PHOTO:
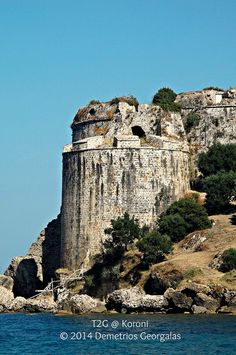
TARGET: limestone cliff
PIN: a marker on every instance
(35, 270)
(217, 113)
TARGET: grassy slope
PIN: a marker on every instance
(220, 237)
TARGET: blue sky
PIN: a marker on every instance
(56, 56)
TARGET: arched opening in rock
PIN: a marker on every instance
(92, 112)
(138, 131)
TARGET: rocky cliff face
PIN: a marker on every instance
(217, 120)
(35, 270)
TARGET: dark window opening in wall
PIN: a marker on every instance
(138, 131)
(92, 112)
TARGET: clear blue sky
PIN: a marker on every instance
(57, 55)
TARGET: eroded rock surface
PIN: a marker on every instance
(35, 270)
(6, 281)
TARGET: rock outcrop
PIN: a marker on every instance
(6, 298)
(217, 120)
(131, 296)
(161, 279)
(35, 270)
(70, 302)
(178, 301)
(82, 304)
(192, 298)
(6, 281)
(135, 300)
(27, 275)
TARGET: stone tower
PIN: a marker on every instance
(122, 158)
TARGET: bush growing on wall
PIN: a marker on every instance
(192, 120)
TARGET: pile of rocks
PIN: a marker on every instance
(66, 301)
(192, 298)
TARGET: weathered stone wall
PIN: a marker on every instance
(90, 129)
(101, 184)
(217, 125)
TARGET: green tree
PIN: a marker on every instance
(229, 260)
(154, 246)
(219, 157)
(165, 98)
(122, 233)
(183, 217)
(173, 225)
(220, 189)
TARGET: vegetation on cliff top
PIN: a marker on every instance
(165, 98)
(216, 88)
(130, 100)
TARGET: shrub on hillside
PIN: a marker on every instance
(192, 272)
(173, 225)
(183, 217)
(154, 246)
(165, 98)
(220, 189)
(219, 157)
(229, 260)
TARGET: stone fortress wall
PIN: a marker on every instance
(217, 124)
(134, 161)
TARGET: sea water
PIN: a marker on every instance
(117, 334)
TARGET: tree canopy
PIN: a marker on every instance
(220, 189)
(218, 158)
(123, 231)
(183, 217)
(165, 98)
(154, 246)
